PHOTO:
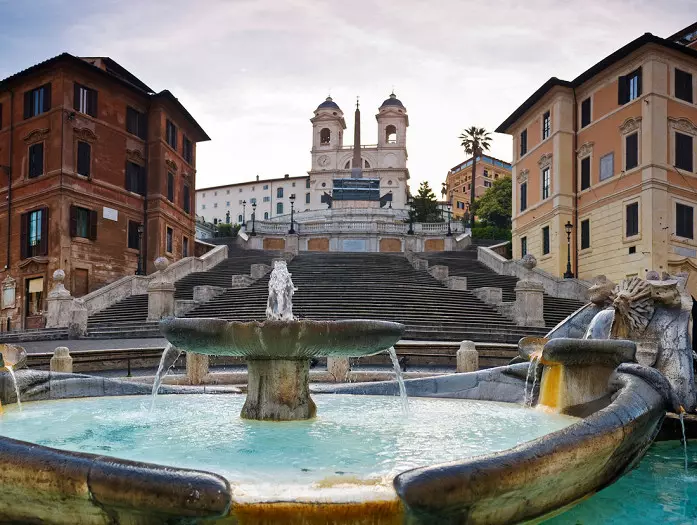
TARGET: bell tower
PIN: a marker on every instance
(328, 127)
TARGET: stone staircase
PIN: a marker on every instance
(465, 263)
(374, 286)
(128, 318)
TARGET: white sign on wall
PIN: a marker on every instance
(111, 214)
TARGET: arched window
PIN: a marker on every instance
(266, 215)
(347, 165)
(366, 164)
(239, 219)
(325, 136)
(391, 134)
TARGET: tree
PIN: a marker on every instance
(426, 205)
(475, 141)
(494, 207)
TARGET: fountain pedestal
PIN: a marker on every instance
(278, 390)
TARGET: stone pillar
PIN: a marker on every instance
(60, 303)
(196, 367)
(489, 294)
(241, 281)
(78, 319)
(160, 293)
(467, 357)
(206, 292)
(456, 282)
(439, 272)
(338, 368)
(529, 301)
(292, 244)
(61, 360)
(257, 271)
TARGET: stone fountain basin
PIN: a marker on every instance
(526, 482)
(290, 340)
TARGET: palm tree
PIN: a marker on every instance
(475, 141)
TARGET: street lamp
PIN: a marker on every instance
(410, 203)
(254, 216)
(292, 210)
(139, 270)
(568, 227)
(244, 214)
(450, 232)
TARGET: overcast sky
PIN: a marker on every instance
(252, 71)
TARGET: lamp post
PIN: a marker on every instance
(244, 214)
(568, 227)
(139, 270)
(450, 232)
(254, 216)
(292, 211)
(410, 202)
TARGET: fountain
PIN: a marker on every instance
(598, 387)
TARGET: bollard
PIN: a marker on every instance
(467, 357)
(61, 360)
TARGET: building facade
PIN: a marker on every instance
(458, 181)
(612, 153)
(384, 163)
(95, 169)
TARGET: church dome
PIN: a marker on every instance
(392, 101)
(329, 104)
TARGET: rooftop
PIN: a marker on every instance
(259, 181)
(487, 159)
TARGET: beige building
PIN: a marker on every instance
(611, 152)
(458, 182)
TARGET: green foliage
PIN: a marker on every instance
(227, 230)
(426, 205)
(475, 140)
(487, 231)
(494, 207)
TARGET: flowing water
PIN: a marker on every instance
(352, 437)
(534, 363)
(14, 382)
(279, 306)
(400, 381)
(529, 398)
(169, 357)
(684, 437)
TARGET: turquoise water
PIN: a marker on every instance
(353, 437)
(657, 491)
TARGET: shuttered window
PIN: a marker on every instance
(629, 87)
(585, 173)
(133, 237)
(37, 101)
(585, 112)
(632, 226)
(170, 186)
(171, 133)
(545, 240)
(136, 123)
(34, 233)
(523, 246)
(135, 178)
(83, 223)
(524, 142)
(186, 204)
(170, 234)
(545, 183)
(585, 234)
(84, 100)
(631, 151)
(683, 85)
(683, 152)
(188, 150)
(279, 208)
(185, 247)
(523, 196)
(546, 125)
(684, 226)
(84, 156)
(36, 159)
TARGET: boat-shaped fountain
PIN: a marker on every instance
(503, 445)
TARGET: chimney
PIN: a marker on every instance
(257, 178)
(286, 176)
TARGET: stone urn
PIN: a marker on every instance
(528, 261)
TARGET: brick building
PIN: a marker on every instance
(458, 181)
(93, 155)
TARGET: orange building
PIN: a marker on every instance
(458, 182)
(611, 152)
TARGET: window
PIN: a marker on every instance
(307, 198)
(325, 136)
(279, 193)
(523, 196)
(524, 142)
(585, 234)
(227, 192)
(135, 178)
(632, 226)
(36, 159)
(586, 112)
(85, 100)
(631, 151)
(83, 223)
(267, 199)
(186, 199)
(487, 184)
(188, 150)
(203, 206)
(307, 183)
(266, 215)
(523, 246)
(683, 221)
(279, 208)
(545, 240)
(35, 294)
(37, 101)
(253, 200)
(227, 204)
(215, 194)
(34, 233)
(293, 184)
(629, 87)
(683, 151)
(683, 85)
(632, 249)
(486, 173)
(460, 205)
(84, 155)
(607, 166)
(545, 183)
(585, 173)
(185, 246)
(215, 204)
(136, 123)
(171, 132)
(266, 186)
(391, 134)
(546, 125)
(170, 233)
(170, 186)
(239, 218)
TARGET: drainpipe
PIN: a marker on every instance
(574, 178)
(8, 169)
(144, 239)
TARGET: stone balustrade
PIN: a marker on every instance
(357, 226)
